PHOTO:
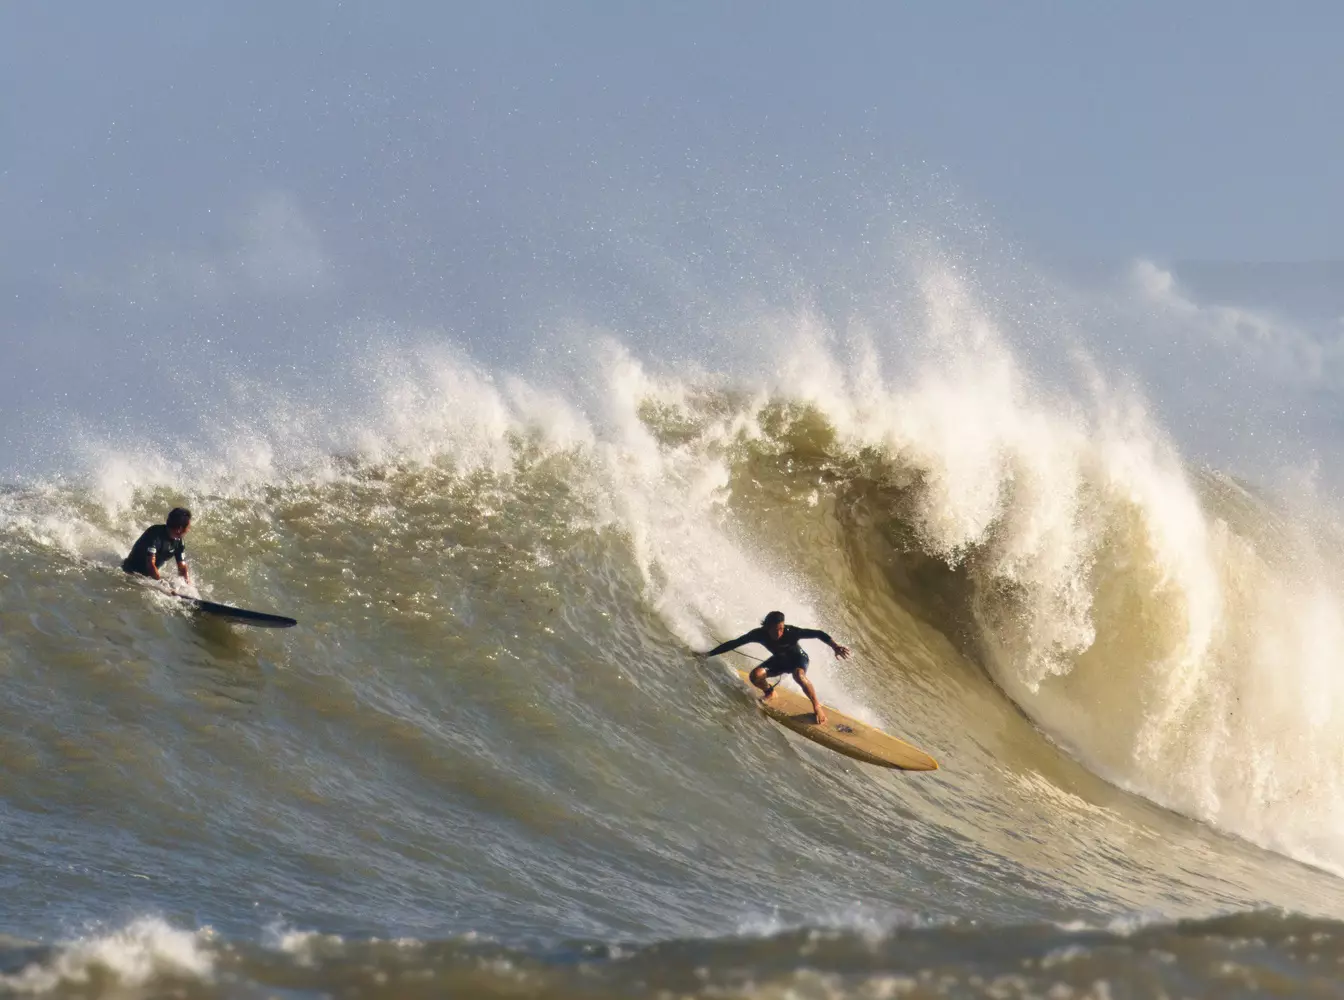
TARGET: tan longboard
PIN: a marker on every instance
(841, 733)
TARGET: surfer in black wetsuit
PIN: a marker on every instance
(153, 548)
(786, 656)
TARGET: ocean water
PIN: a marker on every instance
(486, 762)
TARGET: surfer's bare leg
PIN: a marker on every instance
(759, 679)
(800, 678)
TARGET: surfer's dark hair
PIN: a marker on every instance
(773, 618)
(179, 517)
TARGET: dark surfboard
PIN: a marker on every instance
(224, 612)
(239, 616)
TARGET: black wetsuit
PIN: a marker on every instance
(786, 655)
(154, 544)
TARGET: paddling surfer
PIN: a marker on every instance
(786, 656)
(158, 543)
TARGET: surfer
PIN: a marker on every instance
(158, 542)
(786, 656)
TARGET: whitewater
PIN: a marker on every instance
(487, 762)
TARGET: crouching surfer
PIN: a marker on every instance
(158, 544)
(786, 656)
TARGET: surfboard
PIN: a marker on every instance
(238, 616)
(841, 733)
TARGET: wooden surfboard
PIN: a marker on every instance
(841, 733)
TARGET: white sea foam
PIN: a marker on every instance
(1155, 638)
(130, 957)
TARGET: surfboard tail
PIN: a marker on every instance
(843, 734)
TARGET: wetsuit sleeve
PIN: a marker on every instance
(814, 633)
(741, 640)
(180, 551)
(154, 548)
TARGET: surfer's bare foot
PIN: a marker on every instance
(769, 692)
(821, 717)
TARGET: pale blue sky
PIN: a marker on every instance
(1176, 129)
(181, 177)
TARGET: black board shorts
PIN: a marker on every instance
(786, 662)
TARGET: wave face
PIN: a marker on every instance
(488, 739)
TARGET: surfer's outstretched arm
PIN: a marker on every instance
(741, 640)
(841, 652)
